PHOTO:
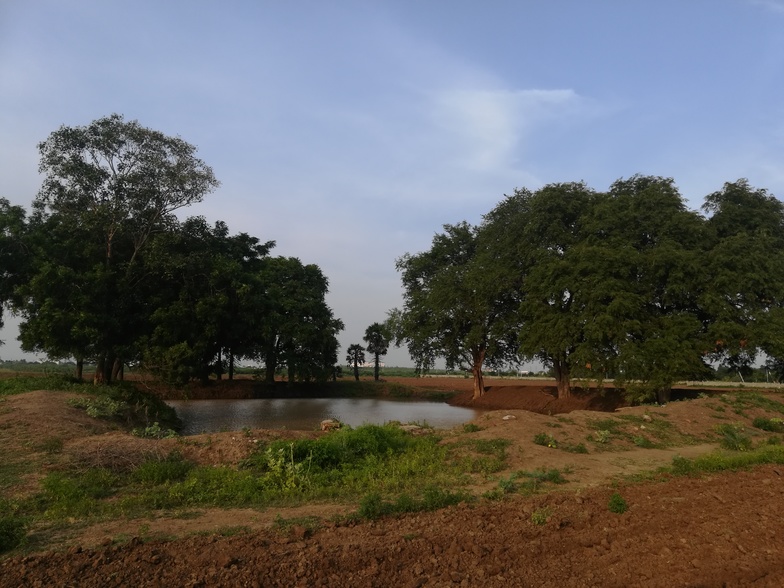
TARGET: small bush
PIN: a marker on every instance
(733, 437)
(541, 515)
(617, 504)
(579, 448)
(12, 532)
(546, 440)
(372, 506)
(155, 472)
(775, 425)
(154, 431)
(602, 436)
(471, 428)
(100, 407)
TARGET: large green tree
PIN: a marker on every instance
(113, 184)
(377, 340)
(451, 310)
(14, 254)
(744, 299)
(208, 303)
(299, 329)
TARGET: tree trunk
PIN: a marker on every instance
(231, 365)
(98, 378)
(219, 367)
(79, 369)
(562, 380)
(117, 369)
(375, 371)
(476, 370)
(663, 395)
(356, 370)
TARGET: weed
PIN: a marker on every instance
(644, 442)
(51, 445)
(617, 504)
(775, 425)
(602, 436)
(546, 440)
(579, 448)
(471, 428)
(733, 437)
(12, 532)
(373, 506)
(541, 515)
(99, 407)
(154, 431)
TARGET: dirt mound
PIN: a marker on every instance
(685, 532)
(542, 399)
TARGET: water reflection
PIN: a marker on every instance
(305, 414)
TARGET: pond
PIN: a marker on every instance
(306, 414)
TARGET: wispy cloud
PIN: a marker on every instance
(490, 126)
(772, 5)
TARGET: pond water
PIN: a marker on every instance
(306, 414)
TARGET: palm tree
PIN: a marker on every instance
(377, 341)
(355, 356)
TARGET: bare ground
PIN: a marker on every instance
(722, 530)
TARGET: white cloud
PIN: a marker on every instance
(490, 126)
(772, 5)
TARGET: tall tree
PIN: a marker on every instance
(534, 235)
(646, 252)
(745, 264)
(299, 329)
(117, 183)
(377, 341)
(14, 254)
(355, 356)
(450, 308)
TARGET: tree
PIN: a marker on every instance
(451, 309)
(534, 235)
(299, 329)
(206, 301)
(377, 341)
(744, 298)
(354, 357)
(647, 251)
(113, 184)
(13, 251)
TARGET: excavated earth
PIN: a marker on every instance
(713, 530)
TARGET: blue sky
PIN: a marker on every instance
(351, 131)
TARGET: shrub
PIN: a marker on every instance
(162, 471)
(733, 437)
(617, 504)
(775, 425)
(154, 431)
(471, 428)
(546, 440)
(12, 532)
(541, 515)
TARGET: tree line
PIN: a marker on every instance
(102, 270)
(626, 284)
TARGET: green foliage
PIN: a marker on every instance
(541, 515)
(100, 407)
(733, 437)
(65, 495)
(22, 384)
(774, 425)
(546, 440)
(154, 431)
(373, 506)
(722, 461)
(471, 428)
(617, 504)
(155, 472)
(12, 532)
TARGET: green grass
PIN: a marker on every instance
(29, 383)
(728, 461)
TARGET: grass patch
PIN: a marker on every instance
(734, 437)
(723, 461)
(545, 440)
(774, 425)
(527, 483)
(617, 504)
(373, 506)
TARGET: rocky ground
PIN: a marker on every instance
(718, 530)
